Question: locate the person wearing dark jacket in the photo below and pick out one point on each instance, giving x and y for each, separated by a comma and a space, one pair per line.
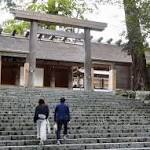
61, 117
40, 117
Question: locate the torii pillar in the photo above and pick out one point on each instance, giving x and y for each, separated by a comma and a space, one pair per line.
87, 61
63, 21
31, 57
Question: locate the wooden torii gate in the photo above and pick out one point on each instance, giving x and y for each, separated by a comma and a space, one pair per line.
35, 18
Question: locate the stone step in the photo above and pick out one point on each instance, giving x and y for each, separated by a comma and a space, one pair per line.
80, 146
77, 122
34, 99
105, 121
85, 125
75, 141
76, 104
93, 120
89, 108
142, 148
77, 114
79, 104
54, 97
108, 128
82, 124
76, 131
79, 135
82, 111
101, 121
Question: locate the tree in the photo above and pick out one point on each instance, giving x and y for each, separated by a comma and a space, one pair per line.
138, 28
8, 3
144, 15
19, 26
10, 25
61, 7
136, 47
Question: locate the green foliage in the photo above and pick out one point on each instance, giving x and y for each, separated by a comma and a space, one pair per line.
144, 15
61, 7
72, 8
133, 27
36, 7
19, 26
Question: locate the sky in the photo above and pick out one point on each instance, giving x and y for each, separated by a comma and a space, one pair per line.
115, 18
112, 15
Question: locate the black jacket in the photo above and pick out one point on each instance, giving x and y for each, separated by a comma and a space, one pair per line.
41, 109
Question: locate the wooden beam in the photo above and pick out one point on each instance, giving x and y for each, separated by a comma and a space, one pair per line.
60, 33
13, 51
57, 63
2, 53
59, 20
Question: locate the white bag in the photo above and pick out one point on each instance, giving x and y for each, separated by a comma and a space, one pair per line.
55, 127
48, 126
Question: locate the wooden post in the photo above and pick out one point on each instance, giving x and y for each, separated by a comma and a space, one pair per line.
53, 78
87, 61
0, 70
31, 58
26, 74
112, 78
18, 76
92, 77
70, 78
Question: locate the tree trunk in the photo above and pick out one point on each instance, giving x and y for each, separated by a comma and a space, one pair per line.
139, 72
139, 79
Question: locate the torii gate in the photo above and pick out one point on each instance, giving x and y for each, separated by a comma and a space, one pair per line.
36, 17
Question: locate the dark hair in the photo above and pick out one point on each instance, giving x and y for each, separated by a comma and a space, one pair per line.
62, 99
41, 101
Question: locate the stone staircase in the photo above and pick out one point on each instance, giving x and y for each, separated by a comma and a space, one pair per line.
99, 120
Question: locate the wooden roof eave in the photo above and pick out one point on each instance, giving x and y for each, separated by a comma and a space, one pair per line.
15, 53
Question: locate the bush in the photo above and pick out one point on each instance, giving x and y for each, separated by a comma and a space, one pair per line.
126, 93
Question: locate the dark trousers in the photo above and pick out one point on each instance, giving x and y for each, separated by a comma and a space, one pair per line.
59, 127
